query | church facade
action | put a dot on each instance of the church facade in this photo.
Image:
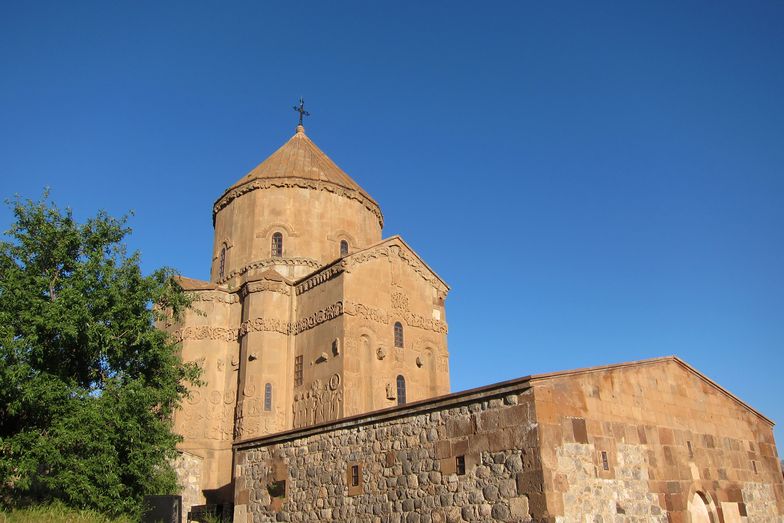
(309, 315)
(326, 390)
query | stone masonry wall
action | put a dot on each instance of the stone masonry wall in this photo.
(647, 441)
(636, 442)
(188, 469)
(408, 463)
(625, 497)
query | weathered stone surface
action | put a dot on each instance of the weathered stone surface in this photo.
(414, 485)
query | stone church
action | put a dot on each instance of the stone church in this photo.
(309, 315)
(327, 398)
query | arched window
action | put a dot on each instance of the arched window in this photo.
(222, 264)
(343, 248)
(401, 390)
(398, 334)
(277, 245)
(268, 397)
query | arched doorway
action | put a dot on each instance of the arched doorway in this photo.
(701, 509)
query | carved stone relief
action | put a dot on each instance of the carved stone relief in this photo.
(383, 317)
(218, 296)
(394, 250)
(260, 286)
(334, 382)
(320, 402)
(210, 415)
(204, 332)
(399, 301)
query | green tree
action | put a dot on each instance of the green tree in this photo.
(88, 385)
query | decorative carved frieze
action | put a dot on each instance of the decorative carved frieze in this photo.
(270, 262)
(260, 286)
(261, 324)
(415, 320)
(204, 332)
(317, 318)
(264, 325)
(367, 313)
(286, 327)
(221, 297)
(298, 183)
(382, 316)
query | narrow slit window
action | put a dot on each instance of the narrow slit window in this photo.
(268, 397)
(460, 465)
(605, 461)
(691, 450)
(754, 466)
(401, 390)
(343, 248)
(398, 334)
(277, 245)
(298, 370)
(354, 475)
(222, 264)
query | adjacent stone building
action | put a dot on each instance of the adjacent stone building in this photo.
(326, 394)
(647, 441)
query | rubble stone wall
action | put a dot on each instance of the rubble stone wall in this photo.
(188, 469)
(409, 466)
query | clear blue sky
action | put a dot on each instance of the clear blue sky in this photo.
(597, 182)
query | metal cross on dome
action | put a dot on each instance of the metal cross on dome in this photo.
(301, 110)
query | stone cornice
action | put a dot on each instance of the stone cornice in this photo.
(386, 249)
(261, 286)
(297, 183)
(320, 277)
(270, 262)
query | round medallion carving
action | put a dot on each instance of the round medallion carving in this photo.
(334, 381)
(195, 397)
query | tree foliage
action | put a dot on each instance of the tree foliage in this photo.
(88, 385)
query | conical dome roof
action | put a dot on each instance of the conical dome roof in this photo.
(299, 163)
(301, 158)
